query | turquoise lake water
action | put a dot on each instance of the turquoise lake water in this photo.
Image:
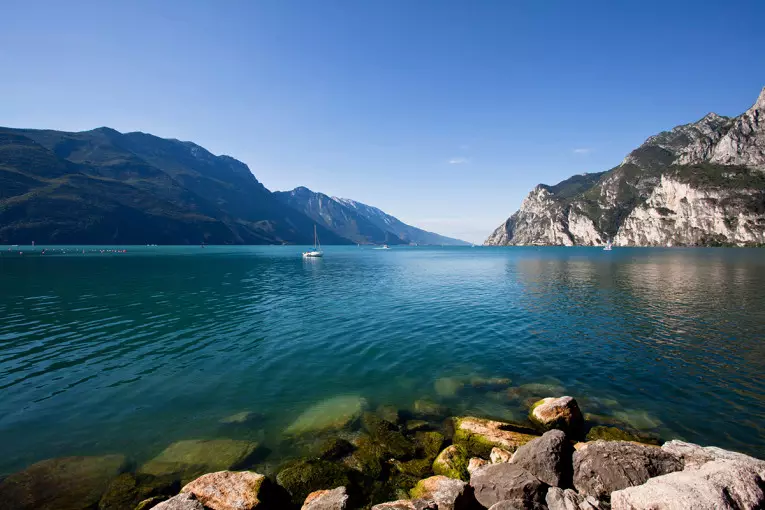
(128, 352)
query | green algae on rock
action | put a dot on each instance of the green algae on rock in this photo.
(128, 490)
(429, 443)
(478, 436)
(65, 483)
(387, 435)
(331, 414)
(452, 462)
(429, 409)
(334, 448)
(306, 476)
(610, 434)
(192, 458)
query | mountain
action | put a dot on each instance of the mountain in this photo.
(102, 186)
(699, 184)
(359, 222)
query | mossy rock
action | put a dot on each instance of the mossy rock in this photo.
(418, 468)
(146, 504)
(369, 458)
(610, 434)
(428, 408)
(389, 413)
(303, 477)
(429, 444)
(387, 435)
(128, 490)
(66, 483)
(334, 448)
(478, 436)
(415, 425)
(453, 462)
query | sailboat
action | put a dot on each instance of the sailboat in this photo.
(316, 252)
(608, 246)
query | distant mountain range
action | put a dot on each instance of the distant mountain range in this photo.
(699, 184)
(358, 222)
(103, 187)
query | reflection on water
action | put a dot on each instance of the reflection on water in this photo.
(130, 352)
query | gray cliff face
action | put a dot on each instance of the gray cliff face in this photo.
(698, 184)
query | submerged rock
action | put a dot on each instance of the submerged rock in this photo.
(452, 462)
(332, 414)
(475, 463)
(241, 418)
(303, 477)
(695, 456)
(559, 499)
(479, 436)
(334, 448)
(548, 458)
(447, 493)
(448, 386)
(558, 413)
(428, 408)
(415, 425)
(490, 383)
(335, 499)
(429, 443)
(603, 467)
(189, 459)
(537, 390)
(61, 484)
(391, 440)
(128, 490)
(716, 485)
(228, 490)
(506, 482)
(611, 434)
(498, 455)
(407, 504)
(389, 413)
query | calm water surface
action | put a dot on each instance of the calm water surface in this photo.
(126, 353)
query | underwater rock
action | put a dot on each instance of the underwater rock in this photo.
(548, 458)
(389, 413)
(183, 501)
(128, 490)
(241, 418)
(474, 463)
(479, 436)
(716, 485)
(498, 455)
(391, 440)
(416, 468)
(452, 462)
(65, 483)
(428, 408)
(490, 383)
(448, 386)
(534, 390)
(306, 476)
(332, 414)
(695, 456)
(429, 443)
(228, 490)
(569, 499)
(415, 425)
(189, 459)
(407, 504)
(368, 458)
(334, 448)
(603, 467)
(447, 493)
(610, 434)
(639, 420)
(335, 499)
(506, 482)
(558, 413)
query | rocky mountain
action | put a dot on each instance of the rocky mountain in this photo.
(699, 184)
(102, 186)
(358, 222)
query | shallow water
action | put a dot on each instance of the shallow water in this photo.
(128, 352)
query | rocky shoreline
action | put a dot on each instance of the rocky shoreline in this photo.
(388, 459)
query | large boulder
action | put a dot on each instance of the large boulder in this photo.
(185, 501)
(559, 499)
(228, 490)
(304, 477)
(602, 467)
(717, 485)
(187, 460)
(695, 456)
(452, 462)
(60, 484)
(506, 482)
(479, 436)
(407, 504)
(128, 490)
(447, 493)
(331, 414)
(548, 458)
(335, 499)
(558, 413)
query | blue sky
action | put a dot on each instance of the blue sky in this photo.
(442, 113)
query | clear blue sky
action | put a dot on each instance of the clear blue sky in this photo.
(442, 113)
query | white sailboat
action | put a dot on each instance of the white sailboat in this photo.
(608, 246)
(316, 252)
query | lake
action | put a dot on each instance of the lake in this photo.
(129, 352)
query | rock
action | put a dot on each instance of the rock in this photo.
(716, 485)
(306, 476)
(504, 481)
(548, 458)
(190, 459)
(429, 443)
(490, 383)
(228, 490)
(517, 504)
(498, 455)
(695, 456)
(448, 386)
(558, 413)
(391, 440)
(606, 466)
(417, 468)
(128, 490)
(452, 462)
(368, 458)
(479, 436)
(611, 434)
(332, 414)
(415, 425)
(475, 463)
(389, 413)
(407, 504)
(151, 502)
(335, 499)
(241, 418)
(429, 409)
(537, 390)
(447, 493)
(559, 499)
(334, 448)
(61, 483)
(184, 501)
